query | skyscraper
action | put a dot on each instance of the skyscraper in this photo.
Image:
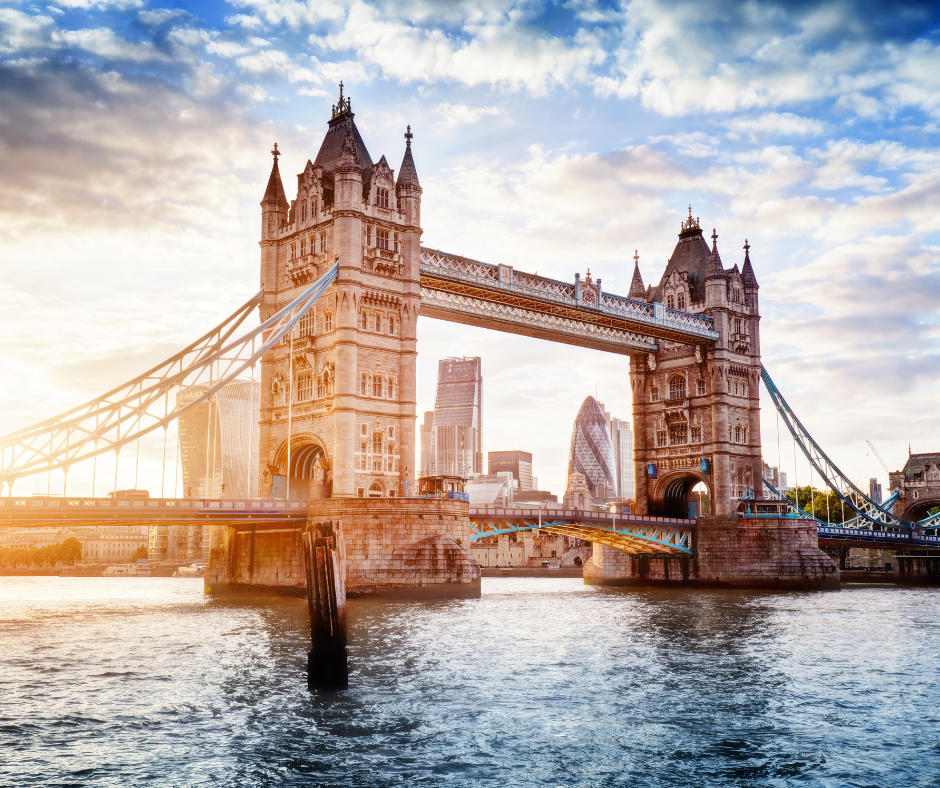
(621, 438)
(591, 451)
(458, 417)
(518, 463)
(428, 465)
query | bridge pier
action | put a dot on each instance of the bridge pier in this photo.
(395, 547)
(727, 552)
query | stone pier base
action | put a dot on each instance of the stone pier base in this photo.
(395, 547)
(727, 552)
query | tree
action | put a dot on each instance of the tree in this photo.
(142, 552)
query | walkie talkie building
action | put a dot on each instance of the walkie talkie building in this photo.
(591, 451)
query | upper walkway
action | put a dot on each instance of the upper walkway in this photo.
(467, 291)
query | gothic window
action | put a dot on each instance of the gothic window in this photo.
(391, 388)
(293, 251)
(364, 390)
(737, 433)
(303, 246)
(737, 325)
(696, 434)
(396, 242)
(377, 386)
(677, 387)
(670, 302)
(305, 326)
(363, 428)
(391, 325)
(381, 198)
(303, 212)
(313, 208)
(363, 321)
(735, 295)
(368, 235)
(391, 433)
(377, 325)
(304, 386)
(376, 463)
(327, 321)
(700, 387)
(362, 463)
(381, 239)
(654, 394)
(681, 301)
(661, 438)
(678, 434)
(322, 242)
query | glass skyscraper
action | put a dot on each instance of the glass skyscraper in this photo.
(458, 417)
(591, 451)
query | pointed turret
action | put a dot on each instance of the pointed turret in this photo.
(747, 272)
(637, 290)
(715, 268)
(275, 195)
(349, 156)
(407, 174)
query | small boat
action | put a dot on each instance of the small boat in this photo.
(193, 570)
(126, 570)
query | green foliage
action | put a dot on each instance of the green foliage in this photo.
(815, 501)
(142, 552)
(66, 552)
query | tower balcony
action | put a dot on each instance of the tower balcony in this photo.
(382, 261)
(740, 343)
(302, 269)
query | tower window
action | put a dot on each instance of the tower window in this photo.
(381, 198)
(391, 433)
(327, 321)
(681, 300)
(737, 434)
(678, 434)
(735, 295)
(391, 388)
(391, 325)
(396, 242)
(304, 386)
(696, 434)
(363, 428)
(661, 438)
(737, 325)
(303, 212)
(322, 242)
(670, 302)
(363, 321)
(377, 386)
(381, 239)
(368, 235)
(677, 387)
(377, 443)
(700, 387)
(654, 394)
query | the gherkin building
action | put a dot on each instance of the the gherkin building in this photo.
(591, 451)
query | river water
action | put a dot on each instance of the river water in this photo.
(541, 682)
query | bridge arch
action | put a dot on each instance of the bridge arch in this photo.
(308, 469)
(917, 510)
(672, 494)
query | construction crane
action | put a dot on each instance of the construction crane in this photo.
(875, 451)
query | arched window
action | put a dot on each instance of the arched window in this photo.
(327, 321)
(670, 302)
(304, 386)
(303, 212)
(391, 325)
(375, 490)
(377, 386)
(681, 301)
(363, 321)
(700, 387)
(737, 433)
(381, 239)
(390, 388)
(677, 387)
(313, 207)
(381, 198)
(368, 235)
(364, 390)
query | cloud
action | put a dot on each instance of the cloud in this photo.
(264, 62)
(782, 124)
(454, 115)
(696, 143)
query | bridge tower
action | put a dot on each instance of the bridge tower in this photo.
(696, 409)
(338, 398)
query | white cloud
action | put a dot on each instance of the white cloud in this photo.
(159, 16)
(254, 92)
(781, 124)
(265, 61)
(696, 143)
(226, 48)
(245, 20)
(102, 41)
(454, 115)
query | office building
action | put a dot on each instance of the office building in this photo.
(621, 439)
(458, 417)
(427, 462)
(591, 452)
(518, 463)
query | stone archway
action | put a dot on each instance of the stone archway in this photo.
(919, 509)
(307, 470)
(672, 495)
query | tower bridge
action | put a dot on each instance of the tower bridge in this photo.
(344, 279)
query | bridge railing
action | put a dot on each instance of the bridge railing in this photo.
(542, 288)
(548, 515)
(149, 505)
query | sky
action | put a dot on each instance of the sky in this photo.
(554, 137)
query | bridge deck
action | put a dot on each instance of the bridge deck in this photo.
(467, 291)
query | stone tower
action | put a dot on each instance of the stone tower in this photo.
(697, 409)
(338, 398)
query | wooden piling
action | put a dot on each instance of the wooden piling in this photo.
(324, 565)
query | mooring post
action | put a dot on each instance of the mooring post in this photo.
(324, 564)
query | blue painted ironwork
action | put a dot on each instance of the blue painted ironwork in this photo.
(631, 533)
(835, 479)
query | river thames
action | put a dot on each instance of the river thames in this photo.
(541, 682)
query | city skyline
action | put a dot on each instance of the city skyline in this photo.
(833, 186)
